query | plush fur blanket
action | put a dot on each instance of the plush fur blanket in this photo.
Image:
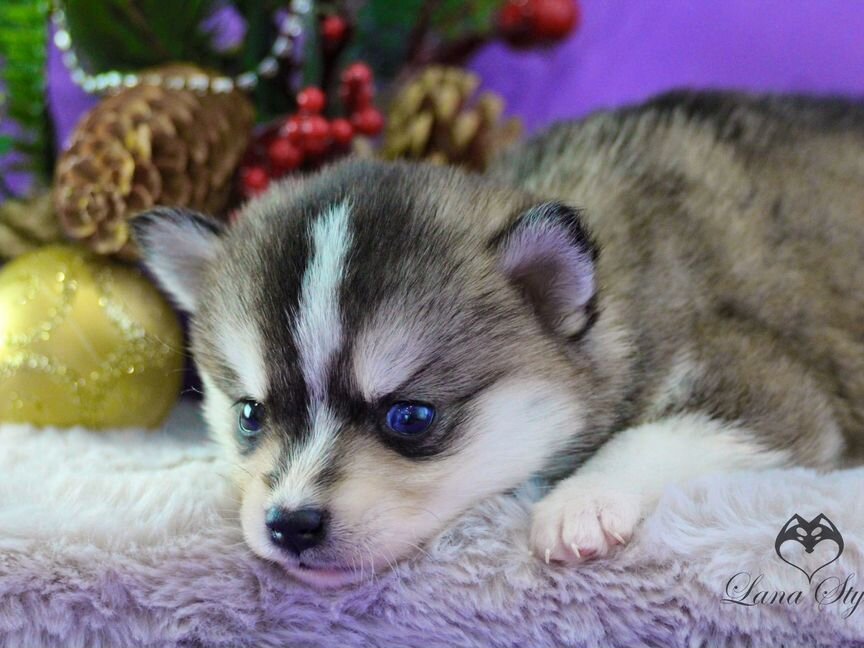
(131, 539)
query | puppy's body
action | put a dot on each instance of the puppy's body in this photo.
(720, 326)
(732, 231)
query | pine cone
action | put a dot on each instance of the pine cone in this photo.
(144, 146)
(26, 225)
(437, 117)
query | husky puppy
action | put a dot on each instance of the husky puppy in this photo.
(628, 301)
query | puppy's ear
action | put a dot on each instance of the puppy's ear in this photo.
(550, 256)
(176, 246)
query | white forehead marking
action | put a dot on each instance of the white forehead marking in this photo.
(240, 344)
(388, 352)
(297, 486)
(319, 322)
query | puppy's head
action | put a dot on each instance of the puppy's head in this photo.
(381, 346)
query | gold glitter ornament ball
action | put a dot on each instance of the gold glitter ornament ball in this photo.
(85, 341)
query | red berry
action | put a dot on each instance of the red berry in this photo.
(291, 130)
(368, 121)
(333, 30)
(316, 134)
(529, 22)
(515, 17)
(255, 179)
(342, 132)
(357, 74)
(554, 19)
(283, 155)
(357, 97)
(311, 100)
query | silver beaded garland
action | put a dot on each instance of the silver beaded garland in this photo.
(290, 28)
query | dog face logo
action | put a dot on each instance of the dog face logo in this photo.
(821, 542)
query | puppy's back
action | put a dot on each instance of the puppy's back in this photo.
(722, 209)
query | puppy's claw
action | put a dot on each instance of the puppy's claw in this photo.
(547, 555)
(586, 516)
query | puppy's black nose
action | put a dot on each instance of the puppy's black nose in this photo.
(296, 530)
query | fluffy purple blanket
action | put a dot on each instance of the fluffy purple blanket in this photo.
(131, 539)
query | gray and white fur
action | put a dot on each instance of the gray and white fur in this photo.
(628, 301)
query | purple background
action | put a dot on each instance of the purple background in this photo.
(627, 50)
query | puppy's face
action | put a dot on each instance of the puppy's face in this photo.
(381, 347)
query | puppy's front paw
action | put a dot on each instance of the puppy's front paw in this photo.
(583, 517)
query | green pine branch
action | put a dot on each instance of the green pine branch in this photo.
(391, 35)
(134, 34)
(23, 40)
(456, 19)
(129, 35)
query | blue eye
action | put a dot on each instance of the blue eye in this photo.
(251, 418)
(410, 418)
